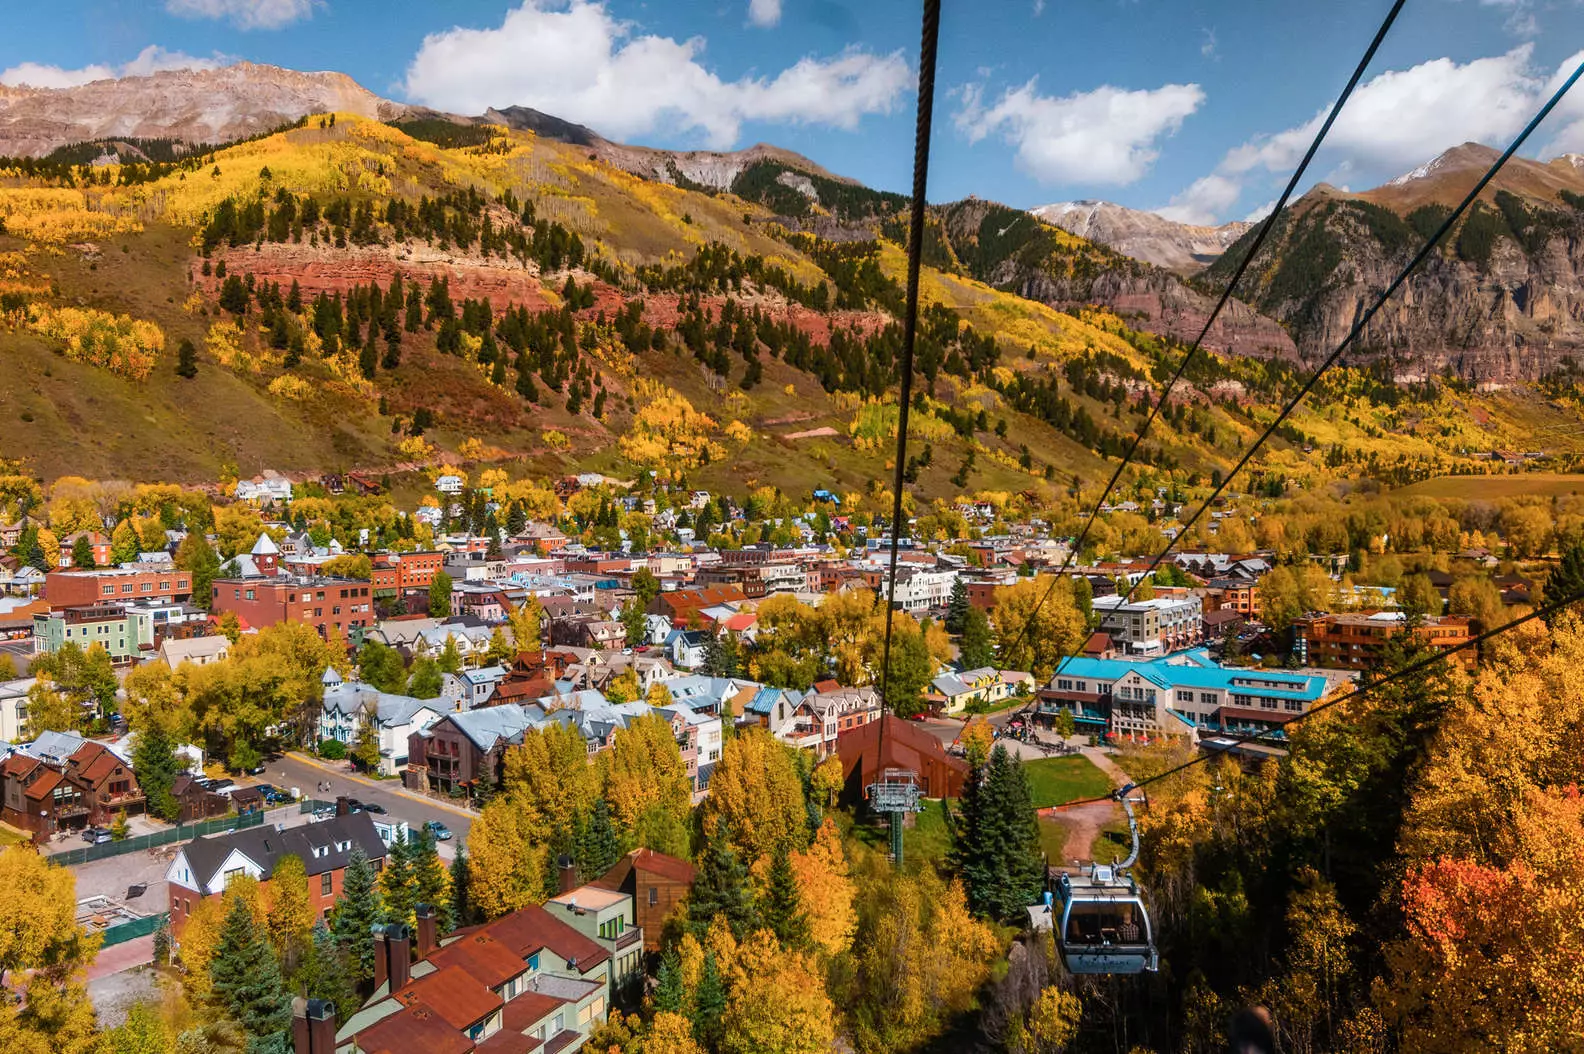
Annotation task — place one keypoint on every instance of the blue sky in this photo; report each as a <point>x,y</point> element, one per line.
<point>1197,108</point>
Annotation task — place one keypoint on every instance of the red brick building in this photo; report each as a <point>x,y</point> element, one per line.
<point>342,603</point>
<point>398,572</point>
<point>203,866</point>
<point>78,588</point>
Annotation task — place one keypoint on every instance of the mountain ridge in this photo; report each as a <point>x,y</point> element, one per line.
<point>1181,247</point>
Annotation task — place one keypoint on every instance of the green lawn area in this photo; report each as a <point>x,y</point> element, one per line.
<point>11,836</point>
<point>1055,781</point>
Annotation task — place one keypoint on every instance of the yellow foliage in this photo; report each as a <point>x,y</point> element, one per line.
<point>506,859</point>
<point>58,214</point>
<point>739,433</point>
<point>226,342</point>
<point>668,433</point>
<point>827,892</point>
<point>124,345</point>
<point>554,439</point>
<point>290,386</point>
<point>415,448</point>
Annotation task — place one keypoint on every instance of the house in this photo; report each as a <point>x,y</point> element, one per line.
<point>13,708</point>
<point>657,883</point>
<point>1164,623</point>
<point>823,716</point>
<point>687,647</point>
<point>197,799</point>
<point>868,751</point>
<point>607,917</point>
<point>200,651</point>
<point>953,693</point>
<point>204,865</point>
<point>471,688</point>
<point>98,545</point>
<point>449,484</point>
<point>454,753</point>
<point>62,781</point>
<point>348,704</point>
<point>1358,640</point>
<point>526,982</point>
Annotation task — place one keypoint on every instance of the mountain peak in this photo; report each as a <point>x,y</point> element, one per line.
<point>1146,236</point>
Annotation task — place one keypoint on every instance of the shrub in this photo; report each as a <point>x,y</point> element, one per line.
<point>333,749</point>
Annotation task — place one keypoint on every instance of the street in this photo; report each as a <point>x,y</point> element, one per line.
<point>294,771</point>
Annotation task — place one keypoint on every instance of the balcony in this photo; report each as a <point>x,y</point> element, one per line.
<point>629,938</point>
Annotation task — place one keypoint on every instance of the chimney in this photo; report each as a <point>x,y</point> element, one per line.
<point>381,957</point>
<point>569,874</point>
<point>313,1026</point>
<point>426,929</point>
<point>342,808</point>
<point>398,942</point>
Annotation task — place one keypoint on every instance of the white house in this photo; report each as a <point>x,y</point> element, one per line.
<point>471,688</point>
<point>200,651</point>
<point>396,717</point>
<point>449,484</point>
<point>686,647</point>
<point>263,490</point>
<point>13,708</point>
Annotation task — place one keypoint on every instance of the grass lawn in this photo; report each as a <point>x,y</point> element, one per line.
<point>1490,488</point>
<point>1055,781</point>
<point>11,836</point>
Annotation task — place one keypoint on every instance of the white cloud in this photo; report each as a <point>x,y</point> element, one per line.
<point>1107,135</point>
<point>1400,119</point>
<point>151,59</point>
<point>1207,48</point>
<point>764,13</point>
<point>579,63</point>
<point>245,14</point>
<point>1204,200</point>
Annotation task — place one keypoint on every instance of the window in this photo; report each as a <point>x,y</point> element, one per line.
<point>326,884</point>
<point>145,587</point>
<point>108,591</point>
<point>1064,685</point>
<point>250,595</point>
<point>235,872</point>
<point>533,961</point>
<point>126,587</point>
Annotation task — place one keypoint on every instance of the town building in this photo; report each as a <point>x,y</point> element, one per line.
<point>107,584</point>
<point>1358,640</point>
<point>63,782</point>
<point>202,868</point>
<point>872,750</point>
<point>656,883</point>
<point>1164,623</point>
<point>608,918</point>
<point>395,718</point>
<point>121,633</point>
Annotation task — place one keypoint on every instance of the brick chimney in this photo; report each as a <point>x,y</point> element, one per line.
<point>313,1026</point>
<point>398,950</point>
<point>427,941</point>
<point>568,872</point>
<point>343,807</point>
<point>381,957</point>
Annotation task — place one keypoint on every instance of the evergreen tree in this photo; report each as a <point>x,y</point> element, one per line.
<point>598,846</point>
<point>396,882</point>
<point>462,912</point>
<point>783,909</point>
<point>670,995</point>
<point>356,914</point>
<point>82,553</point>
<point>722,888</point>
<point>247,982</point>
<point>186,359</point>
<point>1568,578</point>
<point>634,622</point>
<point>722,656</point>
<point>430,880</point>
<point>155,762</point>
<point>709,1004</point>
<point>978,647</point>
<point>325,973</point>
<point>957,607</point>
<point>197,557</point>
<point>997,842</point>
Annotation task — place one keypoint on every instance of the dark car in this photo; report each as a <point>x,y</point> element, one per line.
<point>374,806</point>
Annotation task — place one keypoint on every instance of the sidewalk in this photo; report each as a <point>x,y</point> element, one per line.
<point>388,786</point>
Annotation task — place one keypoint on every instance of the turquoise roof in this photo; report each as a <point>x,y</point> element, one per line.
<point>1266,683</point>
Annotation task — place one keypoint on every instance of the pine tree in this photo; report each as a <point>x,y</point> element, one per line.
<point>247,982</point>
<point>325,973</point>
<point>783,909</point>
<point>82,553</point>
<point>396,882</point>
<point>721,655</point>
<point>978,647</point>
<point>670,995</point>
<point>957,607</point>
<point>598,846</point>
<point>462,912</point>
<point>186,359</point>
<point>356,913</point>
<point>155,762</point>
<point>721,888</point>
<point>1568,578</point>
<point>430,880</point>
<point>997,842</point>
<point>709,1004</point>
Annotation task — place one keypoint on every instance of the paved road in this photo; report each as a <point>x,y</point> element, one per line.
<point>293,771</point>
<point>21,652</point>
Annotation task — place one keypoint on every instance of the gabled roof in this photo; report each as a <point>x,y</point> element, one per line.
<point>265,846</point>
<point>532,928</point>
<point>265,546</point>
<point>453,993</point>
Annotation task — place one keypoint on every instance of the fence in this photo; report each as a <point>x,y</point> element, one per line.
<point>180,833</point>
<point>131,931</point>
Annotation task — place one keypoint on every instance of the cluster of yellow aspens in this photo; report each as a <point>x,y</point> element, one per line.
<point>126,346</point>
<point>59,214</point>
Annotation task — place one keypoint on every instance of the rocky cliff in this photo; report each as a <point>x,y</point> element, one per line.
<point>193,106</point>
<point>1501,300</point>
<point>1181,247</point>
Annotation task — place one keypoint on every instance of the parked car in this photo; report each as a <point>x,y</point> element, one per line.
<point>356,805</point>
<point>96,835</point>
<point>440,831</point>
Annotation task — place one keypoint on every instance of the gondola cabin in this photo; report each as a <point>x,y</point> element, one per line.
<point>1104,927</point>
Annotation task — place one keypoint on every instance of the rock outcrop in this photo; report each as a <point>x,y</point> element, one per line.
<point>1181,247</point>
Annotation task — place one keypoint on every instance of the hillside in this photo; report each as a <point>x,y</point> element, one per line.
<point>1181,247</point>
<point>395,296</point>
<point>1500,302</point>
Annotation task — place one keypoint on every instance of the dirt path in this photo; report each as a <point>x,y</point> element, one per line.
<point>1084,823</point>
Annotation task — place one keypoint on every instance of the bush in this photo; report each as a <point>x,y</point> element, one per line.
<point>333,749</point>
